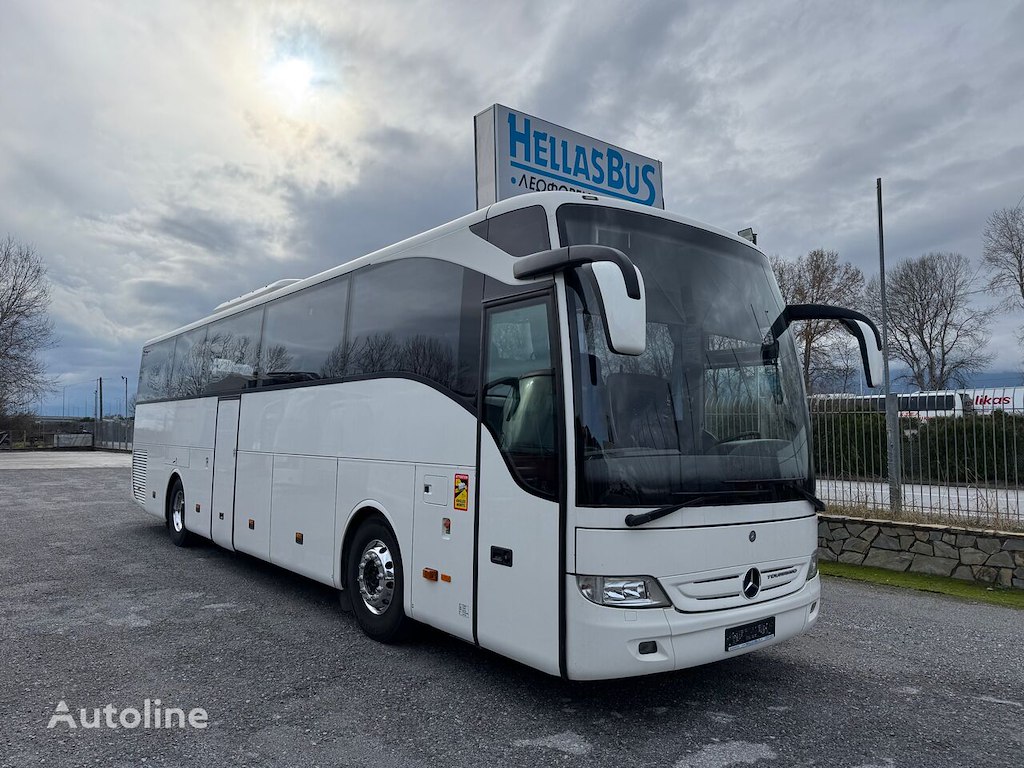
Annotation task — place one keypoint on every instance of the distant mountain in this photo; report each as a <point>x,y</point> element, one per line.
<point>987,379</point>
<point>998,379</point>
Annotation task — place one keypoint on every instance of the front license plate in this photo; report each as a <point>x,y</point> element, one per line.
<point>749,634</point>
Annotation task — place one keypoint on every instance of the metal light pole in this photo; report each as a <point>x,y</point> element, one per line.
<point>892,425</point>
<point>125,396</point>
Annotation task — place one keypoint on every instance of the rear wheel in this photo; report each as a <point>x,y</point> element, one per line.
<point>375,582</point>
<point>176,515</point>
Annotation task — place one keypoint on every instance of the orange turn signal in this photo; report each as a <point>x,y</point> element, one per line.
<point>446,577</point>
<point>430,574</point>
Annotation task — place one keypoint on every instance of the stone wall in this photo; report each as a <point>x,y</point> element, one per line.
<point>984,556</point>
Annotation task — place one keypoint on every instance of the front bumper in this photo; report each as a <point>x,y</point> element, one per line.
<point>603,642</point>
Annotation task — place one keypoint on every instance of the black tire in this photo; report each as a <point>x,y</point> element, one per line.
<point>176,515</point>
<point>377,600</point>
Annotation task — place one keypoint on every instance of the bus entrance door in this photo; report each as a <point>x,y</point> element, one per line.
<point>224,449</point>
<point>518,564</point>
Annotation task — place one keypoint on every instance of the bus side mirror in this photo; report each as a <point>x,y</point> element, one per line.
<point>625,318</point>
<point>870,350</point>
<point>859,325</point>
<point>619,286</point>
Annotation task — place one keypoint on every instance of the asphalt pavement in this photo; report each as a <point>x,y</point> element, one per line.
<point>97,608</point>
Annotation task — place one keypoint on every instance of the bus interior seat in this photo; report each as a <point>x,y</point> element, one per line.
<point>528,419</point>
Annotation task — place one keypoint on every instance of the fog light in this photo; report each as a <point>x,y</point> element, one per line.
<point>623,591</point>
<point>648,646</point>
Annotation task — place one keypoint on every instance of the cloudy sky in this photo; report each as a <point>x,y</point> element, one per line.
<point>166,156</point>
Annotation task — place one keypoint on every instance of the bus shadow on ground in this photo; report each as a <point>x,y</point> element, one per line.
<point>727,684</point>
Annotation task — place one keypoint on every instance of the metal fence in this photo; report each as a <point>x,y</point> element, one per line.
<point>955,466</point>
<point>114,434</point>
<point>35,433</point>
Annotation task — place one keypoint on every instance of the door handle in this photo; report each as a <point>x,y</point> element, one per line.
<point>501,556</point>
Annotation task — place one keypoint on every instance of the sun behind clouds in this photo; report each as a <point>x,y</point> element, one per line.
<point>291,82</point>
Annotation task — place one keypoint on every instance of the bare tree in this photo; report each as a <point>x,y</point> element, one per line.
<point>378,352</point>
<point>429,357</point>
<point>1003,255</point>
<point>838,364</point>
<point>25,327</point>
<point>819,278</point>
<point>338,362</point>
<point>933,327</point>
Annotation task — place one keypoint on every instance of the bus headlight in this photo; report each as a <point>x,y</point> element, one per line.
<point>812,569</point>
<point>623,591</point>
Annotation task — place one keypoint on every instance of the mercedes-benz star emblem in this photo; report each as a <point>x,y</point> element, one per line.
<point>751,583</point>
<point>752,536</point>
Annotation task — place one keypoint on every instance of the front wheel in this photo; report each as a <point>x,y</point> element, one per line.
<point>375,582</point>
<point>176,515</point>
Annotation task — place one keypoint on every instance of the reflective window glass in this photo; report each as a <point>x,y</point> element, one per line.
<point>303,336</point>
<point>234,344</point>
<point>155,371</point>
<point>191,364</point>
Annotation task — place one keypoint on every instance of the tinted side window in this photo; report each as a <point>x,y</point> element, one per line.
<point>518,233</point>
<point>417,316</point>
<point>519,397</point>
<point>191,368</point>
<point>303,335</point>
<point>234,346</point>
<point>155,371</point>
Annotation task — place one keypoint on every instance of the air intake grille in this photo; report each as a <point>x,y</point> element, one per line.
<point>140,464</point>
<point>723,588</point>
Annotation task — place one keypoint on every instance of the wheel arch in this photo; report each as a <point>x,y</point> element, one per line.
<point>175,475</point>
<point>361,512</point>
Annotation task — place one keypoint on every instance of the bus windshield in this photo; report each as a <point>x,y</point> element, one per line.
<point>714,404</point>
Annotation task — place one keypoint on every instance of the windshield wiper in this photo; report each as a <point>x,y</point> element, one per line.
<point>788,484</point>
<point>798,486</point>
<point>634,520</point>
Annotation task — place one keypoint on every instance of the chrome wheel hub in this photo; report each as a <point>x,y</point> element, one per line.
<point>178,512</point>
<point>376,575</point>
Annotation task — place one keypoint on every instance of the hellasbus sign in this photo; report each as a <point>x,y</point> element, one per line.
<point>517,153</point>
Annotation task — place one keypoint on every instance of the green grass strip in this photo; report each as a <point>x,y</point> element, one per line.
<point>966,590</point>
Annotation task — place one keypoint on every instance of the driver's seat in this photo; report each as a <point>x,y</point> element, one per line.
<point>641,411</point>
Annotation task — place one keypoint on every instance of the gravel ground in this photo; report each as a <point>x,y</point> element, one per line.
<point>97,607</point>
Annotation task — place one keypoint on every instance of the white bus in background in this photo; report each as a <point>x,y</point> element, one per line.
<point>992,399</point>
<point>916,405</point>
<point>568,429</point>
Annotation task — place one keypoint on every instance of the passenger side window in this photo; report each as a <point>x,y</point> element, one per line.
<point>519,393</point>
<point>234,346</point>
<point>155,371</point>
<point>304,336</point>
<point>191,364</point>
<point>417,316</point>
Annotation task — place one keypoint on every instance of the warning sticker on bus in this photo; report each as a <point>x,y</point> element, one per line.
<point>461,492</point>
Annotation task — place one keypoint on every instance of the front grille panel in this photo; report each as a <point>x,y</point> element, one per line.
<point>723,588</point>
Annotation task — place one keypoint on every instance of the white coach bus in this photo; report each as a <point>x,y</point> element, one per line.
<point>568,429</point>
<point>915,405</point>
